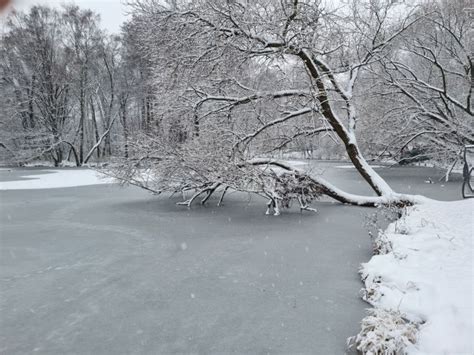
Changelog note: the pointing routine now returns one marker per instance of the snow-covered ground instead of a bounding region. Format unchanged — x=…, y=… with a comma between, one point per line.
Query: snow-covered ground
x=57, y=179
x=425, y=274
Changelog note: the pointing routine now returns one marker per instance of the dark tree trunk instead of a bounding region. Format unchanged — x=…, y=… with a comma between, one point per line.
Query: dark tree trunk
x=81, y=122
x=94, y=123
x=123, y=118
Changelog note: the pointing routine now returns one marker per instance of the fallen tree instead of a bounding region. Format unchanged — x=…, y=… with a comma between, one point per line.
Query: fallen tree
x=196, y=168
x=238, y=82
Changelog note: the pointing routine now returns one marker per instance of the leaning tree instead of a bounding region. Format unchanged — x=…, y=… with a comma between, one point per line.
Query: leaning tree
x=239, y=79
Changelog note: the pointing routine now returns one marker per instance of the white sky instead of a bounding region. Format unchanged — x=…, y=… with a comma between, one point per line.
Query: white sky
x=112, y=12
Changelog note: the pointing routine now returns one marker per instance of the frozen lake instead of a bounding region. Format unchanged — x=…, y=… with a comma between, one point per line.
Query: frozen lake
x=108, y=270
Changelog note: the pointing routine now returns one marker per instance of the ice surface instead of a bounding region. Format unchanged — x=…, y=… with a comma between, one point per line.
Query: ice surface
x=108, y=270
x=352, y=166
x=111, y=270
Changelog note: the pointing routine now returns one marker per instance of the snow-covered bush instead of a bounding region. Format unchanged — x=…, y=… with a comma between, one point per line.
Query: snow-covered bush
x=374, y=223
x=381, y=244
x=384, y=332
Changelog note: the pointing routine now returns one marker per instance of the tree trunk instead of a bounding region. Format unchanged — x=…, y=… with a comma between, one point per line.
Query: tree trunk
x=148, y=111
x=73, y=151
x=81, y=120
x=123, y=118
x=348, y=138
x=144, y=115
x=57, y=152
x=94, y=123
x=31, y=113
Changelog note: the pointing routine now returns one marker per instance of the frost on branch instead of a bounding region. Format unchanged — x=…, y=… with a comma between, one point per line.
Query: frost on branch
x=384, y=332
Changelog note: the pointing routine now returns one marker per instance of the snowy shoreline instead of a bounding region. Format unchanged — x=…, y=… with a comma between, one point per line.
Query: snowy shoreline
x=420, y=283
x=57, y=178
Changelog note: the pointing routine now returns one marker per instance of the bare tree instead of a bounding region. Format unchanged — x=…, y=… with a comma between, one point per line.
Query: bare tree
x=58, y=84
x=429, y=80
x=36, y=72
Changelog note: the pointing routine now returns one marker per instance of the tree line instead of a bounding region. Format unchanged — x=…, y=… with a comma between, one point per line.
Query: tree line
x=70, y=91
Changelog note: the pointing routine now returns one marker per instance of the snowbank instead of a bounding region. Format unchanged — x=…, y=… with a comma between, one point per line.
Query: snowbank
x=426, y=274
x=57, y=179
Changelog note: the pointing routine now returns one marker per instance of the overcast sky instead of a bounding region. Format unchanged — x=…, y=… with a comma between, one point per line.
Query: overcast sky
x=112, y=12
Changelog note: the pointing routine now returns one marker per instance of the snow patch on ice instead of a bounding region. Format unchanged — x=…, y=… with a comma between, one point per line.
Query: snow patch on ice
x=57, y=179
x=427, y=275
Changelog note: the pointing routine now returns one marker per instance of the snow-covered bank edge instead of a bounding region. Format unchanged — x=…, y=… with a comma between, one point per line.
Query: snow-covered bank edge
x=57, y=178
x=420, y=283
